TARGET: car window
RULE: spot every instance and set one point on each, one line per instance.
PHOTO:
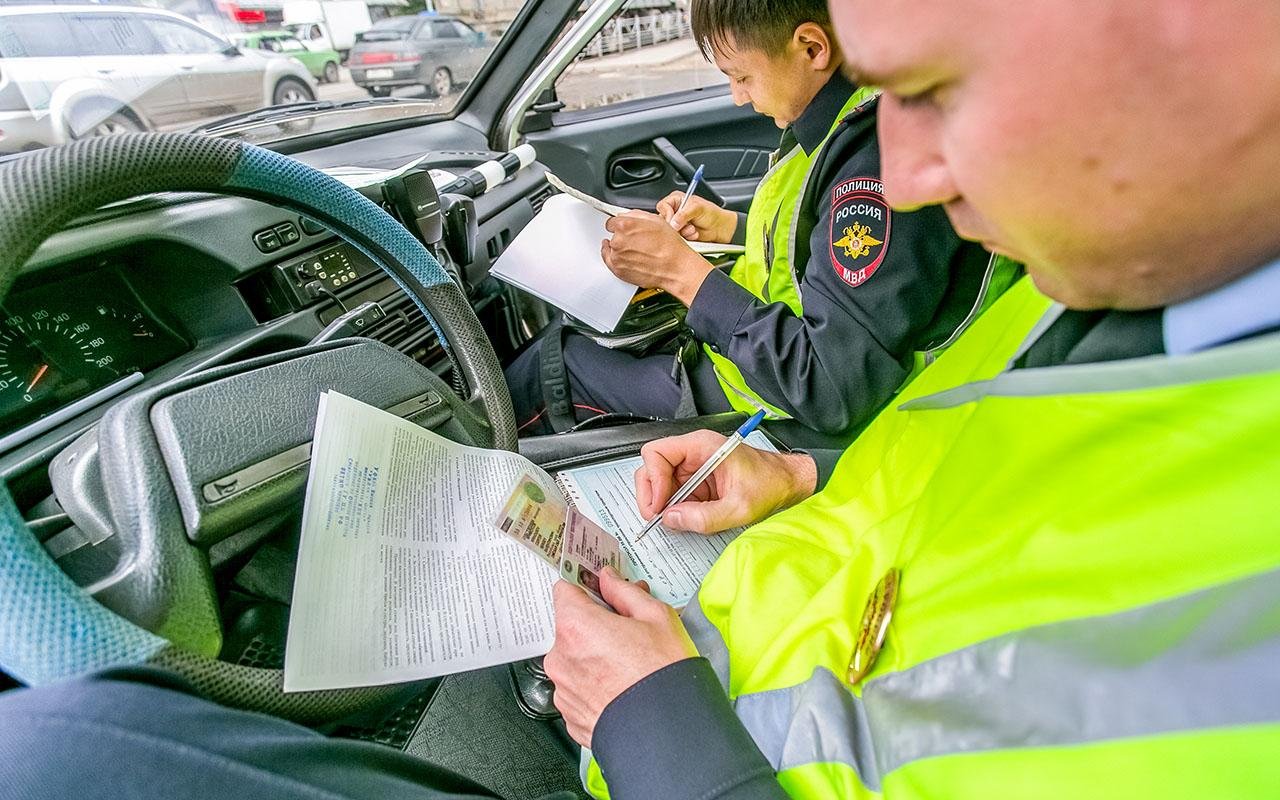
(391, 30)
(113, 35)
(35, 36)
(443, 29)
(377, 56)
(177, 38)
(637, 54)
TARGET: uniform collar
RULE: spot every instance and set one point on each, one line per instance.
(1243, 307)
(813, 124)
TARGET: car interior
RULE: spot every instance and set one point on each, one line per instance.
(162, 354)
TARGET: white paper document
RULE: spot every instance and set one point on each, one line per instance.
(557, 258)
(404, 571)
(673, 563)
(594, 202)
(401, 575)
(703, 248)
(360, 177)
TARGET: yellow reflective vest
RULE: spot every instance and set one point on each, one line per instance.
(1089, 596)
(766, 268)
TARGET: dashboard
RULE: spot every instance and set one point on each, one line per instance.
(166, 285)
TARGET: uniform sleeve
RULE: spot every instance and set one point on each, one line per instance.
(824, 461)
(872, 285)
(674, 735)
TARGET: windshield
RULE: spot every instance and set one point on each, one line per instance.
(72, 71)
(388, 30)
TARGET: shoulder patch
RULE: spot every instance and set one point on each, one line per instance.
(860, 226)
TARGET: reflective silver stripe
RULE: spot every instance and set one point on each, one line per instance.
(819, 720)
(795, 215)
(706, 637)
(1250, 357)
(1205, 660)
(931, 354)
(753, 401)
(1045, 323)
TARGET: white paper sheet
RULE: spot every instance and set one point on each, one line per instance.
(401, 575)
(557, 258)
(596, 203)
(673, 563)
(360, 177)
(702, 248)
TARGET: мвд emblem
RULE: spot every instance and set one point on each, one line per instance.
(860, 223)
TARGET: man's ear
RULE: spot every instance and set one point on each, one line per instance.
(815, 44)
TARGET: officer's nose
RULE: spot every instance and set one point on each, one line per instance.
(914, 170)
(740, 95)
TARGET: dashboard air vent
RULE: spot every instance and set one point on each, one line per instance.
(407, 330)
(538, 198)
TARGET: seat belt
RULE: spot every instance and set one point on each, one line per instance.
(555, 380)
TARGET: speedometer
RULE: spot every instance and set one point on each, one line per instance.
(47, 358)
(75, 341)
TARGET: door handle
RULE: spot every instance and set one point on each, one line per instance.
(684, 168)
(633, 170)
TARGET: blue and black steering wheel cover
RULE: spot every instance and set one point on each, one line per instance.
(50, 628)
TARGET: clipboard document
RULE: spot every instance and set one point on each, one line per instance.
(556, 257)
(405, 571)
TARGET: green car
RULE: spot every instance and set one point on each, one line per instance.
(321, 63)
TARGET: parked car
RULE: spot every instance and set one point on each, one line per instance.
(320, 62)
(67, 72)
(428, 50)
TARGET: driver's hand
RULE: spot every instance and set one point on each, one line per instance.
(599, 654)
(749, 486)
(700, 221)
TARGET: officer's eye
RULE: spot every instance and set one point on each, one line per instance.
(916, 99)
(925, 96)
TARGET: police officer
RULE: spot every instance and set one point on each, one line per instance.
(1052, 568)
(1051, 571)
(821, 318)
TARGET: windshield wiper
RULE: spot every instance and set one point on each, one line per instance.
(277, 113)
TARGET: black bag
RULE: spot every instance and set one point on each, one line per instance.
(653, 323)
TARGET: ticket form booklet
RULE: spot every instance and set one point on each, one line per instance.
(404, 573)
(557, 257)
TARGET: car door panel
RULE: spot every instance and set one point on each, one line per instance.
(634, 154)
(216, 82)
(119, 52)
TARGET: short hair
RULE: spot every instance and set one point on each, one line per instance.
(756, 24)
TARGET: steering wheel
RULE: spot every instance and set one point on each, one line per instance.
(50, 628)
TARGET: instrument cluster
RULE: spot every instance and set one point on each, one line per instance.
(60, 342)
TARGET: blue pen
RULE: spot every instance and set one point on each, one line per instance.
(693, 186)
(717, 458)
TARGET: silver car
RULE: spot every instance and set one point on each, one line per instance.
(67, 72)
(427, 50)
